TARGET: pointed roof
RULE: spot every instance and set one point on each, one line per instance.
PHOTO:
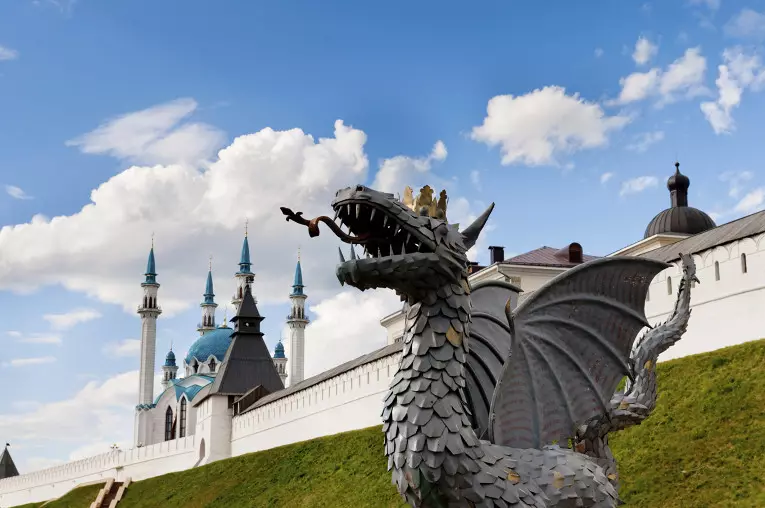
(244, 261)
(7, 467)
(209, 294)
(297, 285)
(279, 350)
(151, 270)
(248, 362)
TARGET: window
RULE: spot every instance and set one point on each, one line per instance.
(717, 270)
(212, 364)
(182, 432)
(168, 424)
(195, 367)
(669, 285)
(743, 263)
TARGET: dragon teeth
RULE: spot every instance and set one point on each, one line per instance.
(396, 230)
(385, 220)
(379, 254)
(348, 209)
(358, 209)
(372, 215)
(340, 251)
(403, 248)
(408, 236)
(337, 213)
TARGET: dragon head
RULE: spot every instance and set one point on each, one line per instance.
(410, 247)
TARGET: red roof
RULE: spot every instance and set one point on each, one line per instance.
(549, 256)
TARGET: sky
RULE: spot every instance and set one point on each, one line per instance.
(184, 119)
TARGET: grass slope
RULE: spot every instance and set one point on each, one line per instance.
(704, 446)
(77, 498)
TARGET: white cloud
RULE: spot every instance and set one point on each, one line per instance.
(72, 318)
(751, 202)
(599, 52)
(535, 128)
(13, 333)
(475, 179)
(24, 362)
(336, 335)
(638, 184)
(739, 72)
(605, 177)
(8, 54)
(644, 140)
(711, 4)
(41, 338)
(127, 347)
(747, 24)
(683, 78)
(645, 50)
(398, 172)
(156, 135)
(16, 192)
(736, 181)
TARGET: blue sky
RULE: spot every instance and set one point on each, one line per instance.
(589, 104)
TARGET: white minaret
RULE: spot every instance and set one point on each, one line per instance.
(149, 312)
(169, 369)
(244, 276)
(280, 362)
(297, 321)
(208, 305)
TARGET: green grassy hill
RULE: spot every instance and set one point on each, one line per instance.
(704, 446)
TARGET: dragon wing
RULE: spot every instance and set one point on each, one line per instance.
(489, 343)
(571, 343)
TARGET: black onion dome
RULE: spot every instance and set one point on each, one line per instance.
(679, 218)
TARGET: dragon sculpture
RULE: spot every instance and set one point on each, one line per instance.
(485, 391)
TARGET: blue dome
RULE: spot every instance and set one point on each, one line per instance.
(170, 359)
(213, 343)
(279, 350)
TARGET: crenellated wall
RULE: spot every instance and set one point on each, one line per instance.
(136, 463)
(350, 401)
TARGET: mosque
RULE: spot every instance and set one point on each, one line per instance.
(173, 412)
(233, 400)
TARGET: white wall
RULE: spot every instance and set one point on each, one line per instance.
(137, 463)
(724, 312)
(350, 401)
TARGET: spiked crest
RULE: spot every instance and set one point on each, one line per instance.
(425, 203)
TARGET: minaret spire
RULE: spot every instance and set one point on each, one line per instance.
(244, 277)
(149, 311)
(297, 321)
(208, 305)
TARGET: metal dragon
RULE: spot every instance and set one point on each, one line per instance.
(486, 393)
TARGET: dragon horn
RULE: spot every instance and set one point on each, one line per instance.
(470, 234)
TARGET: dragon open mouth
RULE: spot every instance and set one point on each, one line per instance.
(377, 230)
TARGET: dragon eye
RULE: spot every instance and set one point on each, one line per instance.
(359, 188)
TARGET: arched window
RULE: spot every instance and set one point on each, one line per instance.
(195, 367)
(669, 285)
(212, 364)
(240, 291)
(169, 424)
(717, 270)
(182, 432)
(743, 263)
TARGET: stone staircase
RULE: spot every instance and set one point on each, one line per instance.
(111, 494)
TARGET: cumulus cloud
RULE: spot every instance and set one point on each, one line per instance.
(71, 319)
(751, 202)
(605, 177)
(736, 180)
(645, 50)
(8, 54)
(398, 172)
(739, 72)
(156, 135)
(25, 362)
(475, 179)
(747, 24)
(644, 140)
(683, 78)
(638, 184)
(39, 338)
(126, 347)
(536, 128)
(16, 192)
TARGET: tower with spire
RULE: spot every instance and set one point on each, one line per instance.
(208, 305)
(244, 277)
(7, 467)
(280, 361)
(297, 321)
(149, 311)
(169, 369)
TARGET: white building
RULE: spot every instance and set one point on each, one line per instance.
(230, 409)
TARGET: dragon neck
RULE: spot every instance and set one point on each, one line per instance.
(426, 400)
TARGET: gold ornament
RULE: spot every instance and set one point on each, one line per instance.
(431, 207)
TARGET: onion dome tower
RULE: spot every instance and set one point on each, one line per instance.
(679, 218)
(280, 361)
(169, 369)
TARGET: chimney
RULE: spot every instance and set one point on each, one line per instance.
(497, 254)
